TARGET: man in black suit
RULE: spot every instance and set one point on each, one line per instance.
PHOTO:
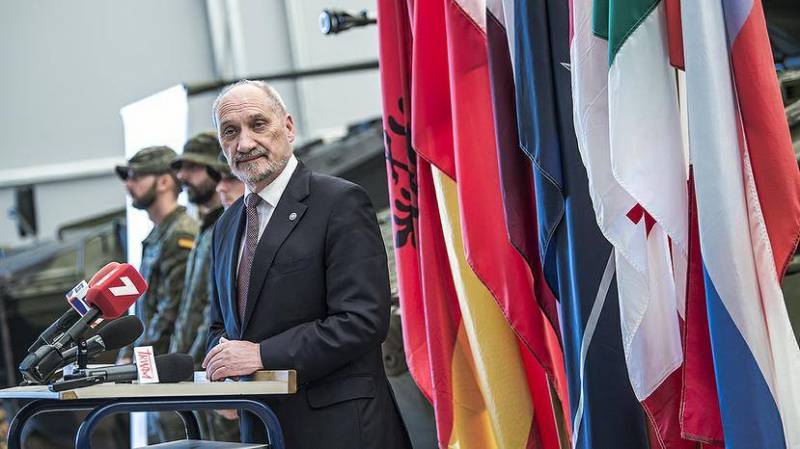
(301, 282)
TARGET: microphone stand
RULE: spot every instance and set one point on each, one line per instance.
(83, 354)
(79, 382)
(78, 378)
(81, 360)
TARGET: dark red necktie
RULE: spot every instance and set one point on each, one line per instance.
(250, 243)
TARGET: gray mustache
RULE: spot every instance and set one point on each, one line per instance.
(250, 155)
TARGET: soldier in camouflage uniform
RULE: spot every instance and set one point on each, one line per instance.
(199, 169)
(154, 188)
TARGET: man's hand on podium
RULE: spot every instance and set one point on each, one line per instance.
(232, 358)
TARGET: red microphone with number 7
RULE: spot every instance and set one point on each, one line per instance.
(76, 298)
(112, 292)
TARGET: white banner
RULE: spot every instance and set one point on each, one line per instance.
(160, 119)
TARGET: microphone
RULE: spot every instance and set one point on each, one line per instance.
(75, 298)
(114, 335)
(171, 368)
(114, 293)
(333, 21)
(57, 328)
(110, 297)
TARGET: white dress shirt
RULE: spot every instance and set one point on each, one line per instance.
(270, 195)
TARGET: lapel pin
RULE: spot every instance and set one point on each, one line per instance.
(292, 216)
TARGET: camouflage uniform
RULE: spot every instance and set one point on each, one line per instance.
(164, 254)
(189, 334)
(203, 149)
(191, 327)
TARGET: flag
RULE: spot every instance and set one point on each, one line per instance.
(748, 216)
(647, 159)
(516, 171)
(401, 161)
(499, 368)
(542, 133)
(462, 417)
(764, 125)
(442, 361)
(482, 377)
(674, 32)
(444, 138)
(700, 418)
(436, 347)
(489, 253)
(578, 259)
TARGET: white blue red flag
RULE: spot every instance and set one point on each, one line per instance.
(748, 200)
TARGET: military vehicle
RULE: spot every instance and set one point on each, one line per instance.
(33, 282)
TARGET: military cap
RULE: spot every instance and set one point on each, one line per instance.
(153, 160)
(202, 149)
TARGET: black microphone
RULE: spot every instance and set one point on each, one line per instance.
(110, 296)
(58, 327)
(43, 364)
(114, 335)
(75, 298)
(171, 368)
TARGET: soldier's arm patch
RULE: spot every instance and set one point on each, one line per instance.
(185, 243)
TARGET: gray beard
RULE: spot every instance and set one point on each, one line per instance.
(273, 167)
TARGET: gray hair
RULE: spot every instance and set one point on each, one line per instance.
(277, 102)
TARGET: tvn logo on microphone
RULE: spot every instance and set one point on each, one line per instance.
(145, 364)
(76, 296)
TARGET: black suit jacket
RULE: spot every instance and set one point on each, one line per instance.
(319, 304)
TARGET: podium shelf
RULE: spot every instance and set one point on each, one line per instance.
(263, 383)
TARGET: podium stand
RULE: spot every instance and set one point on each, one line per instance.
(108, 399)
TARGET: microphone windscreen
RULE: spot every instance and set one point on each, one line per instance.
(115, 292)
(102, 272)
(175, 367)
(121, 332)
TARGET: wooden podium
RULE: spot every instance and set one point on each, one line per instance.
(108, 399)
